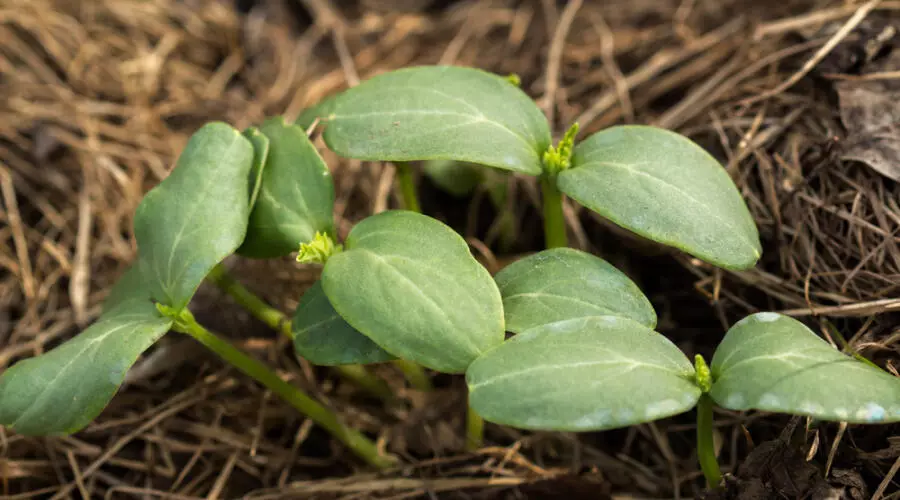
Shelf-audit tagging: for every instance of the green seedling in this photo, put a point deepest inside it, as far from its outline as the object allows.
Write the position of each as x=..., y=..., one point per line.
x=651, y=181
x=402, y=286
x=586, y=358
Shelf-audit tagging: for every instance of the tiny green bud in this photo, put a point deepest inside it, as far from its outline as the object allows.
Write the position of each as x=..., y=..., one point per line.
x=319, y=250
x=703, y=377
x=556, y=159
x=183, y=318
x=514, y=79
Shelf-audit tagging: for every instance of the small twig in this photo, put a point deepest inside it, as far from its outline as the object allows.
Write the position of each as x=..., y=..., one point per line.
x=826, y=49
x=548, y=102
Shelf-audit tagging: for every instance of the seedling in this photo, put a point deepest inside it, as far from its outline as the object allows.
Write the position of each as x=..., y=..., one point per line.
x=586, y=358
x=406, y=283
x=651, y=181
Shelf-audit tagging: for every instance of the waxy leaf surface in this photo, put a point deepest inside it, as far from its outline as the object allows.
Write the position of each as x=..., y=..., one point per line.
x=774, y=363
x=409, y=283
x=260, y=152
x=296, y=197
x=666, y=188
x=439, y=112
x=322, y=337
x=580, y=375
x=197, y=216
x=563, y=283
x=454, y=177
x=63, y=390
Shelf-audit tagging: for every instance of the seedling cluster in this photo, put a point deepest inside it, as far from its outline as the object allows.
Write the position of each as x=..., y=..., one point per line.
x=403, y=287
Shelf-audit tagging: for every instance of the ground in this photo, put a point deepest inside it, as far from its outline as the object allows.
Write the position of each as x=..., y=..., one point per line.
x=101, y=95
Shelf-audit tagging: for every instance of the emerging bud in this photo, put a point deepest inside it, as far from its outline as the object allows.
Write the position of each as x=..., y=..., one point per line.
x=319, y=250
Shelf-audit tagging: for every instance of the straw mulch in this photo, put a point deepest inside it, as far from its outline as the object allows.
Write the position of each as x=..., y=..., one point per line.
x=99, y=96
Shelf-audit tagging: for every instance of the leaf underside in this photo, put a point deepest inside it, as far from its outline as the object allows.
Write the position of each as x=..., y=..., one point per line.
x=439, y=112
x=198, y=215
x=457, y=178
x=771, y=362
x=563, y=283
x=322, y=337
x=666, y=188
x=409, y=283
x=296, y=197
x=62, y=390
x=580, y=375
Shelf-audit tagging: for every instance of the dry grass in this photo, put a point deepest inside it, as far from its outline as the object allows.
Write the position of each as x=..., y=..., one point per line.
x=100, y=95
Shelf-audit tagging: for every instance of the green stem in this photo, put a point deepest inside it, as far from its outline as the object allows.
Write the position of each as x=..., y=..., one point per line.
x=554, y=221
x=356, y=441
x=408, y=187
x=474, y=430
x=415, y=374
x=279, y=322
x=706, y=450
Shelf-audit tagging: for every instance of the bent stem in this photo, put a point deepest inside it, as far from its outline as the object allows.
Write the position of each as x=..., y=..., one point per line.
x=706, y=451
x=415, y=375
x=356, y=441
x=474, y=430
x=554, y=220
x=278, y=321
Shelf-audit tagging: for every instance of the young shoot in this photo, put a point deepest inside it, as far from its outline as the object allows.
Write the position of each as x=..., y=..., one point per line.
x=586, y=358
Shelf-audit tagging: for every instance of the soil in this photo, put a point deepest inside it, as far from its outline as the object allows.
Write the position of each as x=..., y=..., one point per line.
x=100, y=96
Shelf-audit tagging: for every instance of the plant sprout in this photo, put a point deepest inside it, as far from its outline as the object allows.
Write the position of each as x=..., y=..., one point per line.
x=406, y=283
x=650, y=181
x=586, y=358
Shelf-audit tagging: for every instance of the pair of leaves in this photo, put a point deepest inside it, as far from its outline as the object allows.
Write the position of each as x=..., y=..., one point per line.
x=597, y=364
x=405, y=285
x=655, y=183
x=184, y=226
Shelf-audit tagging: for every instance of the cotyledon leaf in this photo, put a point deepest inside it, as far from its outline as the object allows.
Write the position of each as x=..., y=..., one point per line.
x=772, y=362
x=318, y=112
x=439, y=112
x=666, y=188
x=61, y=391
x=581, y=375
x=563, y=283
x=296, y=197
x=410, y=283
x=322, y=337
x=260, y=152
x=198, y=215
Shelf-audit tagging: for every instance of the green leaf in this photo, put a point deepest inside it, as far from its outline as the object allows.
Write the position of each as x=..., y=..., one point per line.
x=409, y=283
x=456, y=178
x=60, y=392
x=197, y=216
x=322, y=337
x=581, y=375
x=320, y=111
x=439, y=112
x=774, y=363
x=296, y=198
x=260, y=152
x=666, y=188
x=131, y=287
x=563, y=283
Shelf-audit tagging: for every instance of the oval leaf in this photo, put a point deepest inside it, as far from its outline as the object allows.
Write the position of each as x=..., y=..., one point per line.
x=260, y=152
x=666, y=188
x=60, y=392
x=198, y=215
x=774, y=363
x=322, y=337
x=564, y=283
x=409, y=283
x=439, y=112
x=296, y=198
x=456, y=178
x=581, y=375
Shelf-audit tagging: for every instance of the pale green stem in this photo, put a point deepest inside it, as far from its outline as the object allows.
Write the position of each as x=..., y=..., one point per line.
x=474, y=430
x=554, y=221
x=415, y=375
x=354, y=440
x=279, y=322
x=408, y=187
x=706, y=450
